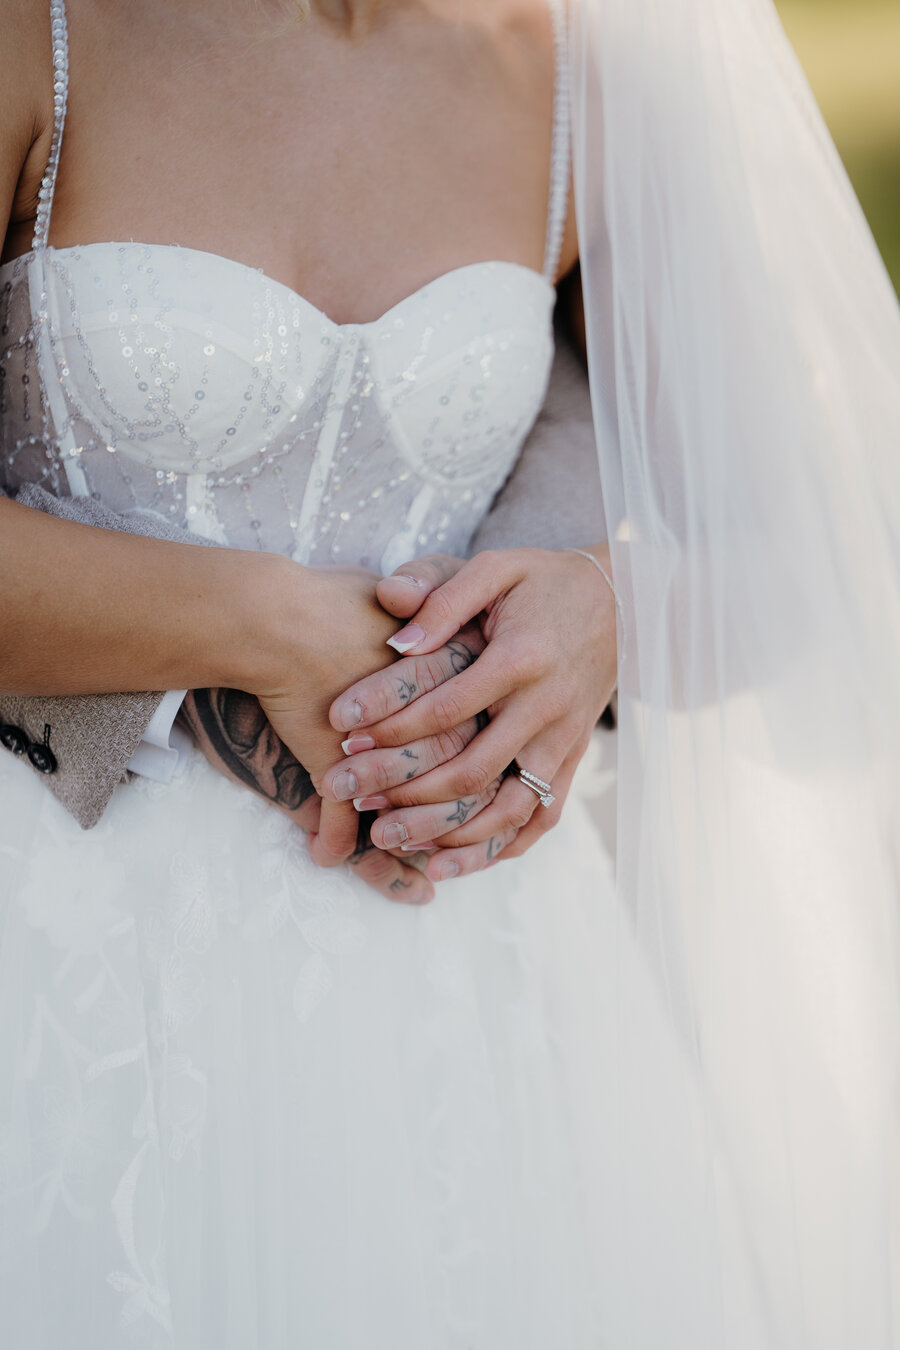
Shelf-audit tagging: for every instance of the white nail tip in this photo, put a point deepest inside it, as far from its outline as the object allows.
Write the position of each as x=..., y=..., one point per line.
x=345, y=746
x=401, y=647
x=357, y=803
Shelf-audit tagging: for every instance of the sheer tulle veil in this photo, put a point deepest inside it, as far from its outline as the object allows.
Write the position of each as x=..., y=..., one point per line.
x=744, y=346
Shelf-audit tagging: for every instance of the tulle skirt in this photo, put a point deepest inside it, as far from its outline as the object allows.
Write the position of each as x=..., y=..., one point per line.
x=248, y=1103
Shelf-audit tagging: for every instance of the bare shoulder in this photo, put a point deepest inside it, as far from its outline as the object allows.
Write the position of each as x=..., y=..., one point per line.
x=26, y=109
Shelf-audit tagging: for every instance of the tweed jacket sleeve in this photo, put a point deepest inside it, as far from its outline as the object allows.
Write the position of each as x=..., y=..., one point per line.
x=81, y=745
x=552, y=499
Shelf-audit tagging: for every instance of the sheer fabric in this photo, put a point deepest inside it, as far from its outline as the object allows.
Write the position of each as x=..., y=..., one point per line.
x=745, y=365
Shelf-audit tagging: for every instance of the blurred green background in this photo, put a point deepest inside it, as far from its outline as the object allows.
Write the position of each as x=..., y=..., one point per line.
x=851, y=52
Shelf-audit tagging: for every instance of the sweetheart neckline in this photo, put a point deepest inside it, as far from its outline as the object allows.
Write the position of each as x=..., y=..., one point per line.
x=283, y=286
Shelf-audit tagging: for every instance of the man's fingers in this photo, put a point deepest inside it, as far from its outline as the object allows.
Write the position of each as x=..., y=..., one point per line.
x=485, y=759
x=395, y=878
x=394, y=687
x=392, y=878
x=337, y=835
x=372, y=772
x=496, y=833
x=402, y=593
x=542, y=820
x=415, y=829
x=478, y=688
x=519, y=807
x=457, y=862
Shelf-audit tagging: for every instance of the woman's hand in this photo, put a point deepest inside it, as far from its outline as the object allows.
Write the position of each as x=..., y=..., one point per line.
x=544, y=679
x=331, y=628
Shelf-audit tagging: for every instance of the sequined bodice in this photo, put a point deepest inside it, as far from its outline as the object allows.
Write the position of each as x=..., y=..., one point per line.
x=164, y=378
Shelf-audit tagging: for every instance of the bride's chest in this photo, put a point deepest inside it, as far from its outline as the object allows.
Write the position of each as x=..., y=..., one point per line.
x=159, y=376
x=352, y=172
x=201, y=363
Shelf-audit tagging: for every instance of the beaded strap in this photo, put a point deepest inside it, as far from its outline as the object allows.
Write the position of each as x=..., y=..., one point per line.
x=60, y=39
x=559, y=160
x=558, y=208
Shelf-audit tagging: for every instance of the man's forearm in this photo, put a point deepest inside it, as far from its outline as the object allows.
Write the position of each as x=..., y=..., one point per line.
x=234, y=733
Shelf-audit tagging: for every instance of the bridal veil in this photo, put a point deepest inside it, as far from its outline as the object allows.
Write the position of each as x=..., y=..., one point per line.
x=744, y=347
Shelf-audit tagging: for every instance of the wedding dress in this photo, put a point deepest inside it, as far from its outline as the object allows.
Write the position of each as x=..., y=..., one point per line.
x=247, y=1102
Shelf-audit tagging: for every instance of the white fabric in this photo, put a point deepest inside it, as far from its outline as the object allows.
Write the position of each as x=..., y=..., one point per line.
x=163, y=747
x=249, y=1105
x=234, y=407
x=245, y=1102
x=745, y=366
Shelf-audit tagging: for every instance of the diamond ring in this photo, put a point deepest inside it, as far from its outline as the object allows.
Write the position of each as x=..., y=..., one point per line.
x=538, y=787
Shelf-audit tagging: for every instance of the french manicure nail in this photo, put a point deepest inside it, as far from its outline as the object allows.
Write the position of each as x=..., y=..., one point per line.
x=447, y=869
x=395, y=834
x=370, y=803
x=404, y=641
x=349, y=713
x=353, y=745
x=345, y=785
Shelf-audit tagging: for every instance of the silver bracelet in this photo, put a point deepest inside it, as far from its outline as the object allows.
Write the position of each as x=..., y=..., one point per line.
x=583, y=553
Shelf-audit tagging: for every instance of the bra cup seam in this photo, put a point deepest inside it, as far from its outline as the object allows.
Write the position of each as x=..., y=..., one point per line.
x=404, y=443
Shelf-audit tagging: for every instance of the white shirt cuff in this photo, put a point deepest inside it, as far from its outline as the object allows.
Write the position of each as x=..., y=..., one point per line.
x=164, y=746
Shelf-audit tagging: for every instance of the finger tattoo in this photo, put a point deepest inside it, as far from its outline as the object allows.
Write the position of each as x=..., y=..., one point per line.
x=408, y=754
x=461, y=656
x=494, y=846
x=462, y=810
x=406, y=689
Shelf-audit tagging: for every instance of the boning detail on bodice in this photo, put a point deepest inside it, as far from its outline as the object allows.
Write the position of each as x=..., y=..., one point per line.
x=164, y=378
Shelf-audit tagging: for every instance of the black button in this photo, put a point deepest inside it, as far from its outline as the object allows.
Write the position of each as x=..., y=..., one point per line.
x=13, y=738
x=42, y=757
x=40, y=754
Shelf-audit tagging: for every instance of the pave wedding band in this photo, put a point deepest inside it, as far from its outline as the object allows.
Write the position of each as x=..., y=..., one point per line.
x=538, y=787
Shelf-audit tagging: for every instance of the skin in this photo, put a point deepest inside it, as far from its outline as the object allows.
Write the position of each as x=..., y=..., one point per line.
x=546, y=675
x=249, y=187
x=234, y=733
x=225, y=65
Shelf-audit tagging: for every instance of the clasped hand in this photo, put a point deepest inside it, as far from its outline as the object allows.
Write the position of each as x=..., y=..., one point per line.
x=509, y=658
